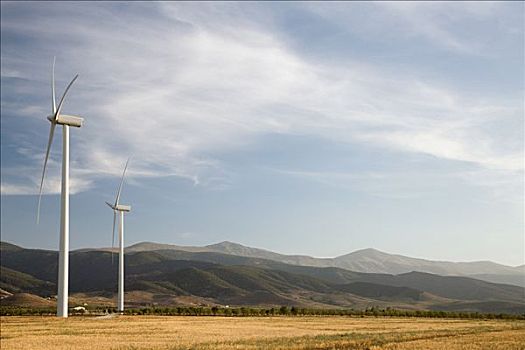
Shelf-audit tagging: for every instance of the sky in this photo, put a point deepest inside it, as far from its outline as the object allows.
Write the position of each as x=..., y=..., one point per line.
x=299, y=127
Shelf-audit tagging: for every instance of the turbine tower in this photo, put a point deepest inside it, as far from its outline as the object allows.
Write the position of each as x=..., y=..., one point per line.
x=56, y=118
x=121, y=209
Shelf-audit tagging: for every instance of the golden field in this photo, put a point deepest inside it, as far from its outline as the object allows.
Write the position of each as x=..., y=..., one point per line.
x=316, y=332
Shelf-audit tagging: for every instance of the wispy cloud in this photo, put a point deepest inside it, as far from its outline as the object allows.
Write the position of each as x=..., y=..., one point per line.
x=177, y=86
x=52, y=186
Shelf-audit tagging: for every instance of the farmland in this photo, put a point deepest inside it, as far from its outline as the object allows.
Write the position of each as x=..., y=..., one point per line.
x=319, y=332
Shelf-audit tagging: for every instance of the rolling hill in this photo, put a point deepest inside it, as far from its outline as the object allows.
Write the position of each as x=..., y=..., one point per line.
x=27, y=300
x=225, y=279
x=365, y=260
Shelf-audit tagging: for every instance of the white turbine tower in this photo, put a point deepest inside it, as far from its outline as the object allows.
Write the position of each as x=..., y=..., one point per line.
x=121, y=209
x=63, y=257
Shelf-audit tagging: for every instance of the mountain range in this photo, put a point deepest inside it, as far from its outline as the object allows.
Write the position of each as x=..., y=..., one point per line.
x=232, y=274
x=365, y=260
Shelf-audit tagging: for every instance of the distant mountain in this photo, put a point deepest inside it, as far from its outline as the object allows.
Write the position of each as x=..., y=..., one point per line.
x=514, y=279
x=169, y=276
x=373, y=260
x=151, y=246
x=235, y=249
x=6, y=246
x=366, y=260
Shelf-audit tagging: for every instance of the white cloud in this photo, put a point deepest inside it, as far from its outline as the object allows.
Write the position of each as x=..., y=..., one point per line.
x=173, y=90
x=52, y=185
x=10, y=189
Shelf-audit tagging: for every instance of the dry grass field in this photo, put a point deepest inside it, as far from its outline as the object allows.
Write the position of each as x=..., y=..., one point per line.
x=323, y=332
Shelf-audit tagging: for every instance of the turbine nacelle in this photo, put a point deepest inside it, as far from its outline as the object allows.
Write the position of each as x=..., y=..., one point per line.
x=122, y=207
x=64, y=119
x=119, y=207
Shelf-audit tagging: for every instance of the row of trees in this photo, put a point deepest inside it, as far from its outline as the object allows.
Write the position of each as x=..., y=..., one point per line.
x=299, y=311
x=274, y=311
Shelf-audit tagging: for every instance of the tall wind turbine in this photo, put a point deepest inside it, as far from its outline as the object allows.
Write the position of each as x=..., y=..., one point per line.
x=56, y=118
x=121, y=209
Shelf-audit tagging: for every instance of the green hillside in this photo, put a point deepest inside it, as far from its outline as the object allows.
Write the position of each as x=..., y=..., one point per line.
x=236, y=280
x=16, y=282
x=364, y=260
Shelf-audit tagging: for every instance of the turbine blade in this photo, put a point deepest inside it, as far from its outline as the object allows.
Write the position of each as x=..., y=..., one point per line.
x=57, y=113
x=110, y=205
x=113, y=238
x=53, y=98
x=49, y=142
x=121, y=182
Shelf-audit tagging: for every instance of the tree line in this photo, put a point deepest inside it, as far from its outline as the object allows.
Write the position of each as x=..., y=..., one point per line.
x=272, y=311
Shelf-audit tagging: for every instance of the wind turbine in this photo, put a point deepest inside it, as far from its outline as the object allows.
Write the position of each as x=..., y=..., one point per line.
x=56, y=118
x=121, y=209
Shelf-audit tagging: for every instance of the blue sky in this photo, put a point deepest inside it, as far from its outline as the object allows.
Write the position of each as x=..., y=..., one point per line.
x=305, y=128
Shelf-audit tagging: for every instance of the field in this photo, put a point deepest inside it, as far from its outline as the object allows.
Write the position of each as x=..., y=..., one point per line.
x=322, y=332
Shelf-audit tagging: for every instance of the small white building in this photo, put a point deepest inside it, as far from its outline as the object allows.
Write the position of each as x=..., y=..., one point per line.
x=79, y=309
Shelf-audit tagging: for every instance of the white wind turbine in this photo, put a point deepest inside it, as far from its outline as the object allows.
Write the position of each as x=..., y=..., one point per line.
x=63, y=257
x=121, y=209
